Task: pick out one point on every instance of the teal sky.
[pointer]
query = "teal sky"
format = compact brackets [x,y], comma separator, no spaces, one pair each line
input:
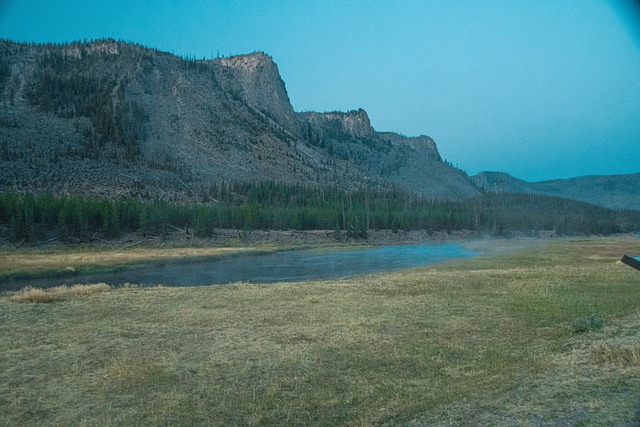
[538,89]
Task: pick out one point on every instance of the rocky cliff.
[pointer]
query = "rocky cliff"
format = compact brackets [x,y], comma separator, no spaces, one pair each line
[119,119]
[256,80]
[352,124]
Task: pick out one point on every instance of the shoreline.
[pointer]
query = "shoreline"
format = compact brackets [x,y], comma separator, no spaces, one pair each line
[183,238]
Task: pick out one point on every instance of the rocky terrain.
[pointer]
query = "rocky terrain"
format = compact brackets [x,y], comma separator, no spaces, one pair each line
[118,119]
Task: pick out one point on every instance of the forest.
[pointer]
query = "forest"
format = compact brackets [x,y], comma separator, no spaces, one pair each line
[271,205]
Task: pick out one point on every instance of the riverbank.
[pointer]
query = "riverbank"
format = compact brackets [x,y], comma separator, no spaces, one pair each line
[176,237]
[544,335]
[328,237]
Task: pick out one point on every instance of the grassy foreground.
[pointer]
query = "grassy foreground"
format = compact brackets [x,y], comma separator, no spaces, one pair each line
[546,335]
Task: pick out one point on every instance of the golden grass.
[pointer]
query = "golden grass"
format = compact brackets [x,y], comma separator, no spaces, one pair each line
[58,293]
[484,341]
[617,356]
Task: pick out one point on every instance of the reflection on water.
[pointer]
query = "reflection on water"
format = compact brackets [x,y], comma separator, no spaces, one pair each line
[277,267]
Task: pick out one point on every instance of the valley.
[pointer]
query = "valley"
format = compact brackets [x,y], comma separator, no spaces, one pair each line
[182,243]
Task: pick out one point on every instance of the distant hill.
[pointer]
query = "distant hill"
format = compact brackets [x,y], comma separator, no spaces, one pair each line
[610,191]
[118,119]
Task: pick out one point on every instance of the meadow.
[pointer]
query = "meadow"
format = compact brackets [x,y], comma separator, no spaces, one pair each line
[540,334]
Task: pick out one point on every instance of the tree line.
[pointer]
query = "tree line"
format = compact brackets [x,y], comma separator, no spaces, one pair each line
[271,205]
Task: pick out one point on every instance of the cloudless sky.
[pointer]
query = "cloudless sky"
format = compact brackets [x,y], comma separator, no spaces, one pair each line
[538,89]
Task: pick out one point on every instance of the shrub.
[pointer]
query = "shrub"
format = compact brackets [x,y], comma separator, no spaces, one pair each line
[592,322]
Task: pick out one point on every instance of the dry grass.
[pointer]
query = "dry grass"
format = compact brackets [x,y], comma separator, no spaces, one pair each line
[58,293]
[616,356]
[485,341]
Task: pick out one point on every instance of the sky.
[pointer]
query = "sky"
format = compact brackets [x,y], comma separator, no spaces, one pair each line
[538,89]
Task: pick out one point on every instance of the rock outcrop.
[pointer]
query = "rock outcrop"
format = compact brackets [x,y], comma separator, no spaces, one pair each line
[256,80]
[352,124]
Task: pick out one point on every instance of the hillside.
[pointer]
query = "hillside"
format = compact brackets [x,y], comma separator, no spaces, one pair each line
[117,119]
[610,191]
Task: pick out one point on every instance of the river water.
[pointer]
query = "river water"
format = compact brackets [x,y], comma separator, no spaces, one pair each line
[299,265]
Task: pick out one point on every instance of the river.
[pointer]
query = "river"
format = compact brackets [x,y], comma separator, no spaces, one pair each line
[286,266]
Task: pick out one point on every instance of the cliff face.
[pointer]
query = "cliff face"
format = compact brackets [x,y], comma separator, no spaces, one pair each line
[255,78]
[119,119]
[352,124]
[412,163]
[420,143]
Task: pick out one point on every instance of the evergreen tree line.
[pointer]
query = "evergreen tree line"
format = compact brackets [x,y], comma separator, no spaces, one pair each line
[270,205]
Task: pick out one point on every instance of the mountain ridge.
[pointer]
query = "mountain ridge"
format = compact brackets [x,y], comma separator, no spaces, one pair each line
[121,120]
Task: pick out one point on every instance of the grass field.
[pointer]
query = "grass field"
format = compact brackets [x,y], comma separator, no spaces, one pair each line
[541,335]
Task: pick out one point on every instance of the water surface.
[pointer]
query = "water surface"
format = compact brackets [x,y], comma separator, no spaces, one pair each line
[286,266]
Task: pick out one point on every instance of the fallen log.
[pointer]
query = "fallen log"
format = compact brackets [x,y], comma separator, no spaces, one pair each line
[132,244]
[176,228]
[46,241]
[20,244]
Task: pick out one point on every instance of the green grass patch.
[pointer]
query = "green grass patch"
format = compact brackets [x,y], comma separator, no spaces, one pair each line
[482,341]
[592,322]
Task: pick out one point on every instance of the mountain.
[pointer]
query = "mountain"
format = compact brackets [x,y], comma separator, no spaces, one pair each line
[610,191]
[118,119]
